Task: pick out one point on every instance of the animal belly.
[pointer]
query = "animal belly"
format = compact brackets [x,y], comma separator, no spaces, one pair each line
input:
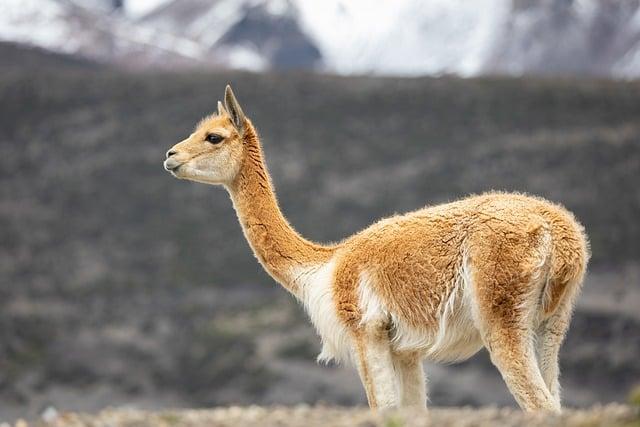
[454,337]
[458,347]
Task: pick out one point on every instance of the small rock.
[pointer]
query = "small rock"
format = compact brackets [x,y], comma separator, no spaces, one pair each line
[49,415]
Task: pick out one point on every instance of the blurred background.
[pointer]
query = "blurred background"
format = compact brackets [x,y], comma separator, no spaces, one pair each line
[121,286]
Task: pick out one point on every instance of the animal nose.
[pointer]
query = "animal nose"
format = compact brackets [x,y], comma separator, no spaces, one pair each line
[171,153]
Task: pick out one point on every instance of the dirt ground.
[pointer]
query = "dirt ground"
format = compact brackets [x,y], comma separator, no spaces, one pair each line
[307,416]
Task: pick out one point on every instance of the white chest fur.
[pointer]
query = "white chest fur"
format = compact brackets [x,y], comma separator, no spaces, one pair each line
[316,293]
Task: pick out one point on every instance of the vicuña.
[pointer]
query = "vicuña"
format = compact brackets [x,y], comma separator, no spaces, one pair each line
[496,270]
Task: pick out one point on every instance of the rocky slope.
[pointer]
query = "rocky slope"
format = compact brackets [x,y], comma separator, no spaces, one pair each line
[122,286]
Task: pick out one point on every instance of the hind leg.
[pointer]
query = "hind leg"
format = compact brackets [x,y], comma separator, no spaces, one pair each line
[506,281]
[551,334]
[514,356]
[510,342]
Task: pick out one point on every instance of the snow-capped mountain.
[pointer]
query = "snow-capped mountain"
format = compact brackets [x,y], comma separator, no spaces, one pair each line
[400,37]
[97,30]
[243,34]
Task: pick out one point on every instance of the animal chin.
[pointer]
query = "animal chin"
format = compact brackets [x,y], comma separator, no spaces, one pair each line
[174,171]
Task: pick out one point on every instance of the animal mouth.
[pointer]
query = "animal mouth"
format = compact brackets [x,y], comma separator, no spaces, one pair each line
[171,165]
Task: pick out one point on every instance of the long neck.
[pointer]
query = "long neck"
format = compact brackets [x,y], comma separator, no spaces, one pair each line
[278,247]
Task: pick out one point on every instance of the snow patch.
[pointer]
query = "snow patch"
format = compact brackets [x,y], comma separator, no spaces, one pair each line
[38,22]
[139,8]
[404,37]
[246,58]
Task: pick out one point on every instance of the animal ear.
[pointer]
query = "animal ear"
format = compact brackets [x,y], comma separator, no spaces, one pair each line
[233,107]
[221,110]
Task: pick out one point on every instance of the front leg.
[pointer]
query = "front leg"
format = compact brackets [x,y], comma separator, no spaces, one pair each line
[413,387]
[375,366]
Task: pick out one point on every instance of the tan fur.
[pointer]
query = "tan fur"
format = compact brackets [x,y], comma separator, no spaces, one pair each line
[496,270]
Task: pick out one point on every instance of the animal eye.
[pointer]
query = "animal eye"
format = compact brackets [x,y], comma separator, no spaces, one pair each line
[214,138]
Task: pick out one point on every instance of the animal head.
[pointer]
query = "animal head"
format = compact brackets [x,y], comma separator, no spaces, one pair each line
[213,153]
